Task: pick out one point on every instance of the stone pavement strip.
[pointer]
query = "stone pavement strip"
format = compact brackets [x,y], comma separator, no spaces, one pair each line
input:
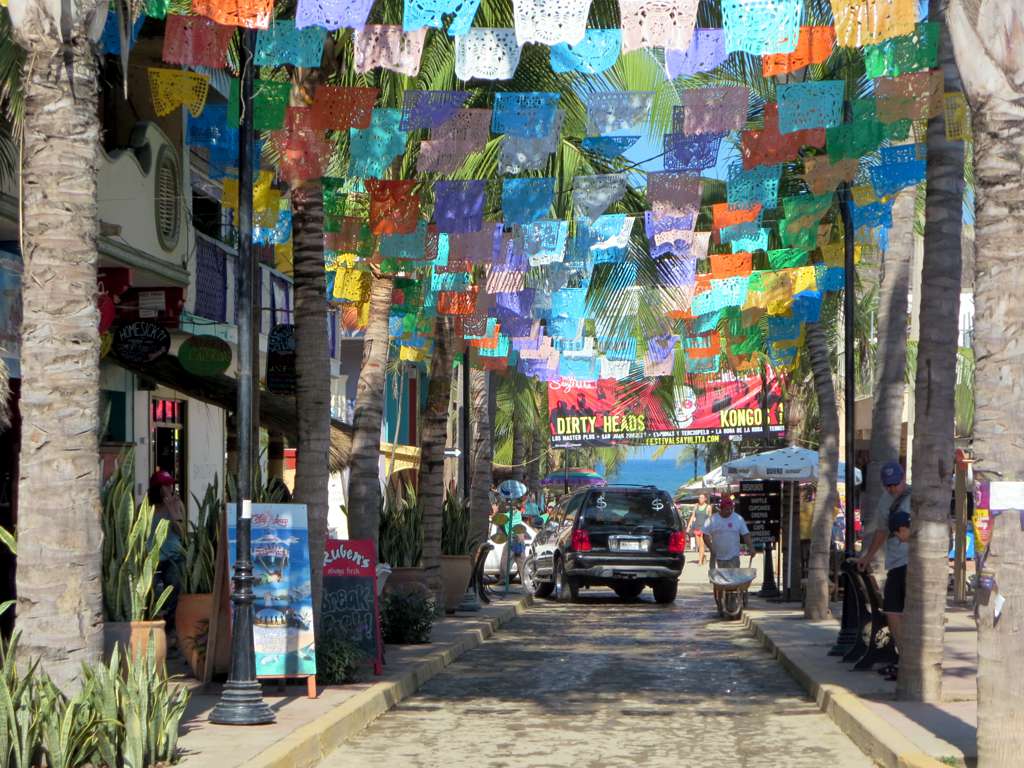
[607,684]
[893,733]
[308,729]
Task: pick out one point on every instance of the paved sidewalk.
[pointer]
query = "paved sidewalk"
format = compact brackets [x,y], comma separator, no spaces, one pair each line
[893,733]
[308,729]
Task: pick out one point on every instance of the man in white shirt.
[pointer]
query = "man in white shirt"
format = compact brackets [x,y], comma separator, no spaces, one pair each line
[726,530]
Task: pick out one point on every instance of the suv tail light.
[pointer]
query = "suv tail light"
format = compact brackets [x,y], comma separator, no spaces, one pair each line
[677,542]
[581,540]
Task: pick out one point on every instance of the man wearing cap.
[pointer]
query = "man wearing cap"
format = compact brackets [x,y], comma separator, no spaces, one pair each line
[893,514]
[726,530]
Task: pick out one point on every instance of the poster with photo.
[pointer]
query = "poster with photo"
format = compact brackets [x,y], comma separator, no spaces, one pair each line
[282,598]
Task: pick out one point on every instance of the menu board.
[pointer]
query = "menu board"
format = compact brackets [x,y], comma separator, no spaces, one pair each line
[349,609]
[282,597]
[760,504]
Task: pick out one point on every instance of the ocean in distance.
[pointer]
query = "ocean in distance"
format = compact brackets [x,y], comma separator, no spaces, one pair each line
[663,473]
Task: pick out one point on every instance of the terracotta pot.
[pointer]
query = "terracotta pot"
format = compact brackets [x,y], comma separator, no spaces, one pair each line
[192,625]
[404,580]
[456,571]
[133,637]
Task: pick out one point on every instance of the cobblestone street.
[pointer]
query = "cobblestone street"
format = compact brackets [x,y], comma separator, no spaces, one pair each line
[606,683]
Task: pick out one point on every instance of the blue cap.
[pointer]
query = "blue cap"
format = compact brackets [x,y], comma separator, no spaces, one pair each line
[898,520]
[892,473]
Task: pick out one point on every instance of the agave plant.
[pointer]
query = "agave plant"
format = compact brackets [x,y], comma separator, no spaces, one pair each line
[456,538]
[199,548]
[131,550]
[401,528]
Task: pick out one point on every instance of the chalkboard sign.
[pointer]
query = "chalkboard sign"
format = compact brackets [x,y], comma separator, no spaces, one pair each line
[141,341]
[281,360]
[760,504]
[282,597]
[349,609]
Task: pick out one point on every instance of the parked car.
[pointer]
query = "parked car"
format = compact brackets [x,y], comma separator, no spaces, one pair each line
[624,537]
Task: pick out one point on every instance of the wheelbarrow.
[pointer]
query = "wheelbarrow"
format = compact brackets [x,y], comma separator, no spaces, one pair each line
[731,585]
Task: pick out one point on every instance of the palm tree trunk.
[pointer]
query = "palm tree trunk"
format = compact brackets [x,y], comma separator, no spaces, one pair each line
[313,374]
[520,439]
[920,677]
[989,46]
[364,496]
[432,446]
[890,378]
[59,609]
[816,600]
[481,477]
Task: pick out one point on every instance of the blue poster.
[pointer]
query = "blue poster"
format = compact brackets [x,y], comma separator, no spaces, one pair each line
[283,602]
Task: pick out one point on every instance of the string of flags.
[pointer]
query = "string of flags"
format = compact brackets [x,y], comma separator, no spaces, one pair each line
[514,259]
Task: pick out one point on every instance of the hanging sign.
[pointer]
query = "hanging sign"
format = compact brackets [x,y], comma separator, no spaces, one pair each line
[349,609]
[608,411]
[204,355]
[282,598]
[281,360]
[760,505]
[141,341]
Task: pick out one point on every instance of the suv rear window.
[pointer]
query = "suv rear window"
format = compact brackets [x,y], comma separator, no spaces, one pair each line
[629,509]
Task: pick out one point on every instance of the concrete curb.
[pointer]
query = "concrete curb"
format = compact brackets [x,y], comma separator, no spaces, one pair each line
[879,740]
[309,744]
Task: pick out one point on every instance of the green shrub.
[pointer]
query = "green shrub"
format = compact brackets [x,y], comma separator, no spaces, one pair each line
[407,618]
[199,548]
[455,536]
[339,660]
[125,714]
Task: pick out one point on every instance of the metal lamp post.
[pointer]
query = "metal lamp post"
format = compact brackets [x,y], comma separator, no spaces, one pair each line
[241,701]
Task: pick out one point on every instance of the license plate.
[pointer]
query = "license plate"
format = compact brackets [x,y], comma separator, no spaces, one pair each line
[631,546]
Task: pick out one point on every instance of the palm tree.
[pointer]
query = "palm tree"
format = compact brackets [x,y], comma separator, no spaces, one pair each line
[988,42]
[313,373]
[920,675]
[890,374]
[433,441]
[364,495]
[816,599]
[481,477]
[59,608]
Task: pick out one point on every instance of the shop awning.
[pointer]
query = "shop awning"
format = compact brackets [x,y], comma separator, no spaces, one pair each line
[277,412]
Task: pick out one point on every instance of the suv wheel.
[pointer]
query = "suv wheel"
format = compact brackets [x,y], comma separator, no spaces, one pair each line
[531,583]
[629,590]
[665,591]
[566,589]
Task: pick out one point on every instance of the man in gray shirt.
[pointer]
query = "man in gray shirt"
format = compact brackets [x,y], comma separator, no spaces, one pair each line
[893,514]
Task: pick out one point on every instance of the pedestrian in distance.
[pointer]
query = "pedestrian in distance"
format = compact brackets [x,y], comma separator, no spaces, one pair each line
[893,515]
[695,525]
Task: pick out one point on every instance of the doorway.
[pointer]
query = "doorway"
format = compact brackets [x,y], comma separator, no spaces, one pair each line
[168,419]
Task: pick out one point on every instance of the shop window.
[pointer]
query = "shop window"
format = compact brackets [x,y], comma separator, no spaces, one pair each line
[114,414]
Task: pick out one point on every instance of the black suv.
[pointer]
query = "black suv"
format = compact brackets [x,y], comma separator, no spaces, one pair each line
[624,537]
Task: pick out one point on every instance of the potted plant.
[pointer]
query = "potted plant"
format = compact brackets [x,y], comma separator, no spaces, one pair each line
[131,557]
[199,562]
[400,542]
[456,551]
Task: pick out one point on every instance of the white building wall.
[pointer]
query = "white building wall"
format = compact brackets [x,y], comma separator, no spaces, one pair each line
[205,441]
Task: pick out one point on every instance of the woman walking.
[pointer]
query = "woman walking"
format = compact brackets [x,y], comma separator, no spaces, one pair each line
[695,525]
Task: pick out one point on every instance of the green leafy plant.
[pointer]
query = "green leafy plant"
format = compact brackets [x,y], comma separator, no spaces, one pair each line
[131,550]
[400,541]
[455,533]
[339,660]
[199,548]
[273,492]
[140,711]
[407,618]
[8,540]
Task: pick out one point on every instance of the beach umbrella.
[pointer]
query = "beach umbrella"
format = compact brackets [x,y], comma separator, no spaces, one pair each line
[570,477]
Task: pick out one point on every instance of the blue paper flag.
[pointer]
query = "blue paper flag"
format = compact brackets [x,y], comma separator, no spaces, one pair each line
[373,149]
[428,13]
[608,146]
[459,205]
[815,104]
[529,115]
[526,200]
[597,52]
[762,26]
[282,43]
[691,153]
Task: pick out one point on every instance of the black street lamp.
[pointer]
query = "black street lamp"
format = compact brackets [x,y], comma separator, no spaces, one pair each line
[241,701]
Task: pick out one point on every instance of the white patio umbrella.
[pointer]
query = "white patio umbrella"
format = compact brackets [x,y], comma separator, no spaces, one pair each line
[796,464]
